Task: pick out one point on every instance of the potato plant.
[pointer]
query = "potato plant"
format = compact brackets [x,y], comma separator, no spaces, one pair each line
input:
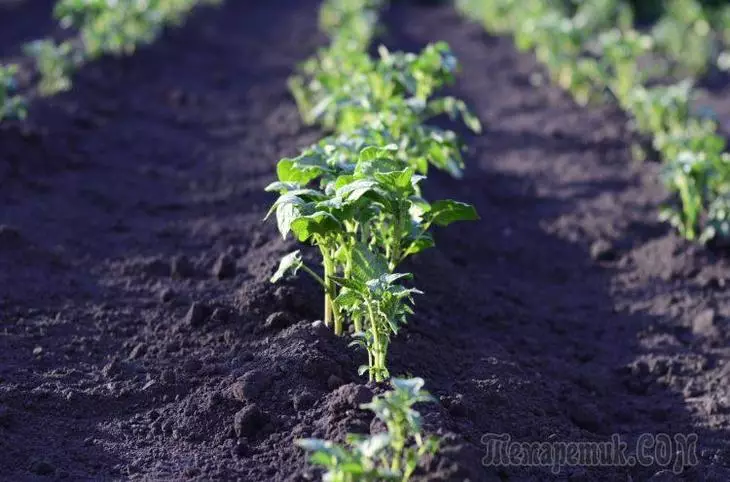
[391,455]
[594,52]
[390,97]
[684,34]
[102,27]
[365,217]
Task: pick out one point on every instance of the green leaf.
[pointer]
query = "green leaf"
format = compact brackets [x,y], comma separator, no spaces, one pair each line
[324,459]
[373,445]
[291,262]
[357,189]
[318,223]
[397,180]
[424,242]
[301,170]
[367,265]
[286,214]
[351,284]
[281,187]
[347,299]
[412,386]
[447,211]
[472,121]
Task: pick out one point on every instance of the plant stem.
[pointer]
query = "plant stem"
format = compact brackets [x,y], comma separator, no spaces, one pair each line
[327,309]
[358,324]
[331,316]
[370,364]
[314,275]
[395,255]
[377,364]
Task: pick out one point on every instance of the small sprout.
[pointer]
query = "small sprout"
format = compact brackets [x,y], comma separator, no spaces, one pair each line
[392,455]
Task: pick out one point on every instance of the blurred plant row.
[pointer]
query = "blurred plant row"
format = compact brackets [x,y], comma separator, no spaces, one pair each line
[593,50]
[95,28]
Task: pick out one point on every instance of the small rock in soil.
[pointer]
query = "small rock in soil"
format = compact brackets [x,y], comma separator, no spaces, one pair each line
[241,448]
[166,295]
[197,314]
[303,401]
[359,394]
[586,417]
[251,385]
[455,405]
[181,267]
[704,323]
[248,421]
[224,267]
[334,382]
[603,250]
[348,396]
[238,391]
[278,320]
[112,369]
[293,299]
[42,467]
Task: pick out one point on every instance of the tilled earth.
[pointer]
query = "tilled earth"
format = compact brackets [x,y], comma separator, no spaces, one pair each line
[140,338]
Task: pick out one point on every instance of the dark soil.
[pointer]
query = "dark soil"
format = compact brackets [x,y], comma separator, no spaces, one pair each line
[140,339]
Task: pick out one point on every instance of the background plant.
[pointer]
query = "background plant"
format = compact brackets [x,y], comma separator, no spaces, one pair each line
[12,105]
[592,49]
[392,455]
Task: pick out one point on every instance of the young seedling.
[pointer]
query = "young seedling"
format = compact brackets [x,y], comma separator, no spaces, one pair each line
[340,206]
[393,455]
[56,62]
[378,306]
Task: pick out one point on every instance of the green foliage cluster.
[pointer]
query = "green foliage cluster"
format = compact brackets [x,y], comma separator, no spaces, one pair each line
[391,455]
[102,27]
[12,105]
[356,194]
[99,27]
[593,51]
